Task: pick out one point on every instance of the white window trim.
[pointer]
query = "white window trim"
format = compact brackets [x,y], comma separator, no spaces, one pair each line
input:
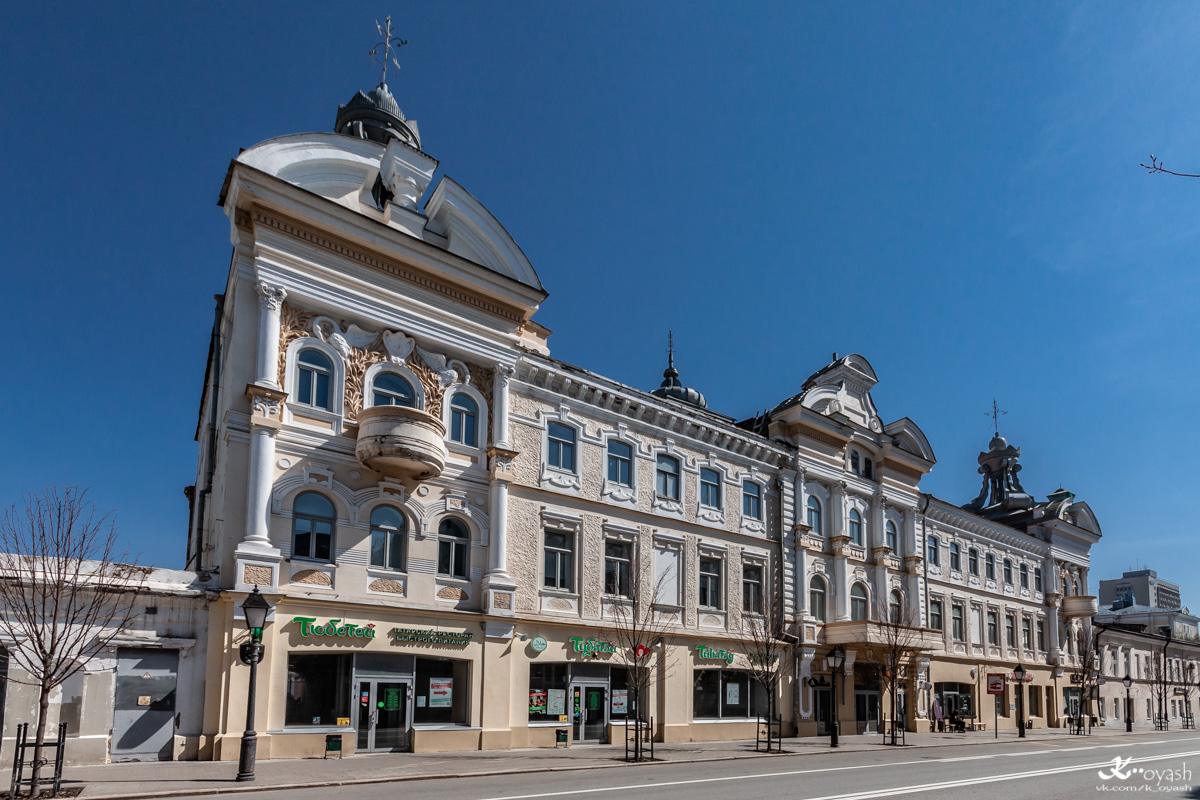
[751,525]
[617,493]
[337,388]
[481,421]
[710,514]
[554,478]
[560,523]
[677,545]
[665,505]
[718,553]
[403,371]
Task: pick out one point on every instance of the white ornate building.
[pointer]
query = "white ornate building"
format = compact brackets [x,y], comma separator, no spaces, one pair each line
[445,517]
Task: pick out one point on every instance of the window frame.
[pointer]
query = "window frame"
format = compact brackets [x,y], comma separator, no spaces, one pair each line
[373,389]
[823,594]
[1010,631]
[989,566]
[957,623]
[973,561]
[1023,575]
[553,442]
[895,607]
[937,620]
[330,386]
[710,581]
[932,550]
[1008,572]
[854,526]
[955,557]
[624,585]
[993,627]
[714,486]
[389,537]
[860,604]
[1026,633]
[750,566]
[755,498]
[665,477]
[611,459]
[817,512]
[459,546]
[563,555]
[458,415]
[312,532]
[891,536]
[1037,579]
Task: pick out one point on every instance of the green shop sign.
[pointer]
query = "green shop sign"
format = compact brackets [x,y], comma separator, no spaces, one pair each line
[591,646]
[335,627]
[427,636]
[706,652]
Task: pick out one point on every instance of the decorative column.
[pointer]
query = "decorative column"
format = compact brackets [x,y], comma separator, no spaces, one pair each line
[498,586]
[799,553]
[913,563]
[879,554]
[839,539]
[266,360]
[1054,593]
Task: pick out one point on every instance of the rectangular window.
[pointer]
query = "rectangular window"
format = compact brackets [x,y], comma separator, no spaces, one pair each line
[318,689]
[1037,579]
[932,548]
[1010,631]
[1008,572]
[1041,635]
[710,582]
[1035,701]
[993,628]
[727,694]
[956,623]
[311,538]
[666,574]
[752,594]
[976,626]
[973,562]
[560,561]
[1026,635]
[441,690]
[453,553]
[387,549]
[547,692]
[989,566]
[1024,572]
[935,615]
[710,488]
[560,446]
[666,482]
[618,577]
[955,558]
[751,500]
[620,463]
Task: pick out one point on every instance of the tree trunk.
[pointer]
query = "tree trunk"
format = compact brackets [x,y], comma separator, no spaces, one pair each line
[39,739]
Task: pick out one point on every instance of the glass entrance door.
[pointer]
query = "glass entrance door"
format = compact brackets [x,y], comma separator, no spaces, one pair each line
[866,711]
[823,710]
[383,716]
[589,706]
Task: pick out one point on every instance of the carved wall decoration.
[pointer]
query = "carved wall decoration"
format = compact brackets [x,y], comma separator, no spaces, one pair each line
[313,577]
[386,585]
[451,593]
[503,601]
[558,604]
[293,324]
[256,574]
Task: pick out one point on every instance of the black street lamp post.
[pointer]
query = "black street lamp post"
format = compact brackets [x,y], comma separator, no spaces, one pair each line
[256,608]
[837,657]
[1128,681]
[1019,675]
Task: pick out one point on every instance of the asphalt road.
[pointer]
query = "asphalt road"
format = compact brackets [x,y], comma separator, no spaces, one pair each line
[1165,766]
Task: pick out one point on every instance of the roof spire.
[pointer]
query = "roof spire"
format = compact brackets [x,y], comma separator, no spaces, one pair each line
[995,414]
[670,353]
[671,387]
[390,44]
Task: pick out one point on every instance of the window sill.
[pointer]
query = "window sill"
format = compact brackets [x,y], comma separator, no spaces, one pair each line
[541,723]
[436,726]
[453,580]
[314,561]
[726,720]
[291,729]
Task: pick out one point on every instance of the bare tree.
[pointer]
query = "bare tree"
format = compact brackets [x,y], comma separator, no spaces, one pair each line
[634,599]
[1087,647]
[67,592]
[1189,683]
[765,648]
[1155,166]
[1160,684]
[893,649]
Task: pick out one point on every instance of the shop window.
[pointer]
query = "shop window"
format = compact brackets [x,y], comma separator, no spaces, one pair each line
[464,418]
[387,538]
[727,694]
[814,516]
[856,532]
[441,691]
[858,602]
[620,463]
[752,589]
[710,488]
[318,689]
[618,573]
[816,598]
[314,374]
[710,582]
[666,480]
[751,500]
[312,527]
[559,561]
[548,684]
[454,547]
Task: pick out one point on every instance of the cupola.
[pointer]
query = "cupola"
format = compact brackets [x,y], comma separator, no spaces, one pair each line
[671,387]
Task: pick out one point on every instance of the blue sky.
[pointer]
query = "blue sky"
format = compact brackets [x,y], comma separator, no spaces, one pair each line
[951,190]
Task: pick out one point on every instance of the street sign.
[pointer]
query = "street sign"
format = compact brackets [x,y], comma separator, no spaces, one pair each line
[995,683]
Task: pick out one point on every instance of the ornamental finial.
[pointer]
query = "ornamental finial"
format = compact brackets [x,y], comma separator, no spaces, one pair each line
[389,45]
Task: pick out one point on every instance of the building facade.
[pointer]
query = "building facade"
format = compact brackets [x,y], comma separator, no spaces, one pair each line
[451,524]
[1139,587]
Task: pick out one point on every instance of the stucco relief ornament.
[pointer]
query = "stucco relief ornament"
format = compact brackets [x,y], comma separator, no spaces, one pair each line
[265,406]
[503,373]
[270,296]
[352,338]
[398,346]
[437,363]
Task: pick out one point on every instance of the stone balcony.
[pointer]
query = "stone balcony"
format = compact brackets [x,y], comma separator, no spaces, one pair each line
[401,442]
[870,632]
[1079,606]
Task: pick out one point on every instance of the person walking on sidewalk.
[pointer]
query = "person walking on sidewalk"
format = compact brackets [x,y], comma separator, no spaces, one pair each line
[937,716]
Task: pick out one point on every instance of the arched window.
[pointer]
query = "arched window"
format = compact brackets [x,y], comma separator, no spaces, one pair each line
[464,416]
[931,547]
[856,534]
[973,561]
[666,477]
[560,446]
[314,377]
[388,535]
[816,598]
[710,488]
[989,567]
[893,540]
[454,548]
[312,527]
[1024,576]
[858,602]
[895,607]
[1008,576]
[955,557]
[814,515]
[390,389]
[751,500]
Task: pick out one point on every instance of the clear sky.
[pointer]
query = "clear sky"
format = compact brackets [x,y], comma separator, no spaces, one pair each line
[950,189]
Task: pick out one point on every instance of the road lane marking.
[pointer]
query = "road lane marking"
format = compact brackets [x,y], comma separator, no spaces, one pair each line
[854,796]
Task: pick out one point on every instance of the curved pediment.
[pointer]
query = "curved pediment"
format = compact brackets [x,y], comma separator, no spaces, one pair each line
[911,438]
[328,164]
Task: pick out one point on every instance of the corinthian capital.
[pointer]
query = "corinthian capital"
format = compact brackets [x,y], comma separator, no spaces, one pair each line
[271,297]
[504,372]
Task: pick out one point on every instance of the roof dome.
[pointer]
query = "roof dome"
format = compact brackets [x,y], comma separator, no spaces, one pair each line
[376,116]
[672,389]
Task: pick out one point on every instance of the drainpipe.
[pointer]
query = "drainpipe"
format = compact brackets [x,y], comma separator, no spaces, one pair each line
[211,467]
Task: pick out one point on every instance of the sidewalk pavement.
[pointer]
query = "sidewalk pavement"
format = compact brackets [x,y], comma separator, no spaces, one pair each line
[180,778]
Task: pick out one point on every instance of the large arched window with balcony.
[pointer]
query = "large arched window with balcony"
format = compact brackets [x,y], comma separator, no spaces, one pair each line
[816,597]
[312,527]
[858,602]
[814,515]
[391,389]
[855,524]
[388,536]
[464,420]
[314,379]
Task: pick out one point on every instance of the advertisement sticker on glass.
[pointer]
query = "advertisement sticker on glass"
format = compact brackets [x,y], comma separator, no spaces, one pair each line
[441,692]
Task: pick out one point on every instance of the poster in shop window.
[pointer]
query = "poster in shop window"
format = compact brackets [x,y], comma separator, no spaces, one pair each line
[441,692]
[620,701]
[733,693]
[556,701]
[537,702]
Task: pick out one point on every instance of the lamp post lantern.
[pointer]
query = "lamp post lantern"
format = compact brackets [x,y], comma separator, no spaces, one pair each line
[836,657]
[1128,681]
[1019,675]
[255,607]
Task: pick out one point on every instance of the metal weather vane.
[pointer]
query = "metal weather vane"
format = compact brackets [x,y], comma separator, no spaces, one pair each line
[390,44]
[995,414]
